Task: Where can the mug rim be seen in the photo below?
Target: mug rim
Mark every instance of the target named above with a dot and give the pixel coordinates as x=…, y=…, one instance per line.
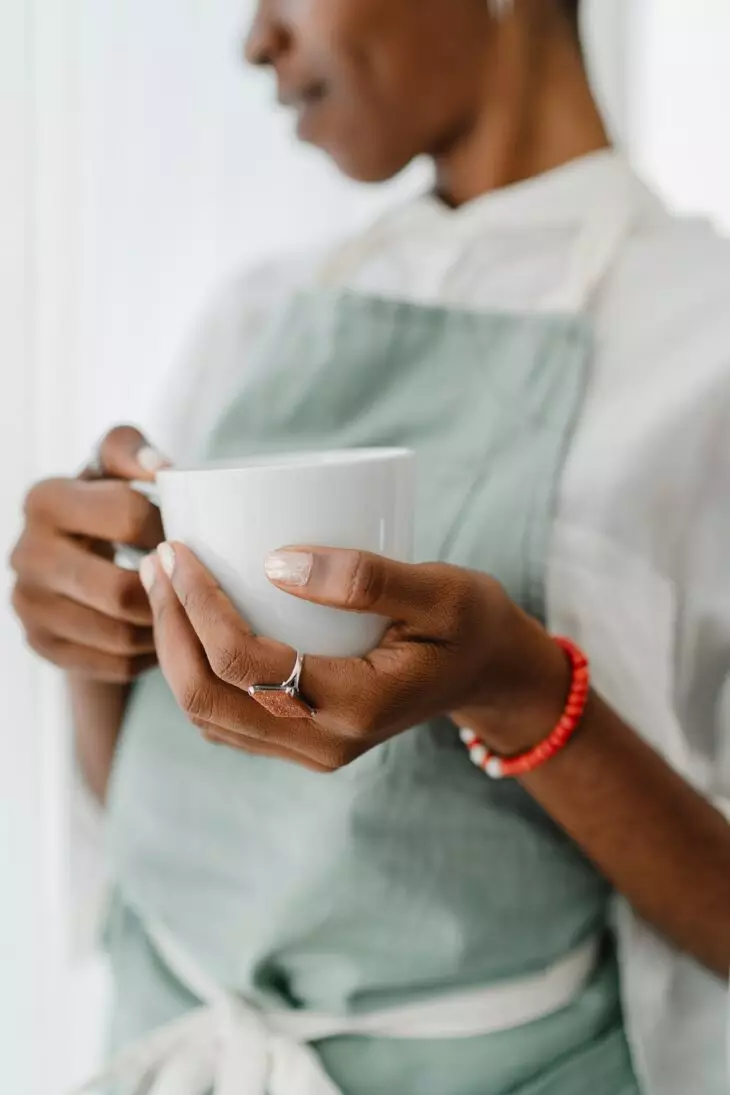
x=317, y=459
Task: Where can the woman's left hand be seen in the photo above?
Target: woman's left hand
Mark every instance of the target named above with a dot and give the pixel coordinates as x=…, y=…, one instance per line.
x=457, y=644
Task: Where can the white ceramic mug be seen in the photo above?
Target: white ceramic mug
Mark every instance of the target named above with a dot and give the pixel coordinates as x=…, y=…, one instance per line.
x=231, y=515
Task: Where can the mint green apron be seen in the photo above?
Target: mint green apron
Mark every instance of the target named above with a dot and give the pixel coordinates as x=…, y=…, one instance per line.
x=409, y=873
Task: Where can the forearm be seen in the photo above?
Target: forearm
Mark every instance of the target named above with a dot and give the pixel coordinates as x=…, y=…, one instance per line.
x=658, y=841
x=98, y=710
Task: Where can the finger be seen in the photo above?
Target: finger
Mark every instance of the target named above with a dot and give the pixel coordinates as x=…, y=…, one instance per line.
x=359, y=581
x=61, y=566
x=103, y=510
x=200, y=694
x=205, y=697
x=236, y=655
x=125, y=453
x=217, y=735
x=53, y=614
x=94, y=664
x=357, y=700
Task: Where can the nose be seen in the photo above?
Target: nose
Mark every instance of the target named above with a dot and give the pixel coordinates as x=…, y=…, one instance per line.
x=267, y=38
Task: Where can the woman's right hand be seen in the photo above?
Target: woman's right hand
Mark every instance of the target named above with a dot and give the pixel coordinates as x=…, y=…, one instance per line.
x=80, y=611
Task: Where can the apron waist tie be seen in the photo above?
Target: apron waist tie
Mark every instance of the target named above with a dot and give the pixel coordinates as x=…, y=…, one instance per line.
x=230, y=1047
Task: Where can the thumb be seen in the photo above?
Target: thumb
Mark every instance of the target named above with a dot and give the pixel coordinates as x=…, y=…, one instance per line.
x=358, y=581
x=125, y=453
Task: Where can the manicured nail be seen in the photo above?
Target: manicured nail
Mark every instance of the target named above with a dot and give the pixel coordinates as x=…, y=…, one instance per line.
x=292, y=568
x=151, y=460
x=167, y=557
x=147, y=572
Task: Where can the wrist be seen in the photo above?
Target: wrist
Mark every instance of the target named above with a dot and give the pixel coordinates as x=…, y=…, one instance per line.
x=528, y=697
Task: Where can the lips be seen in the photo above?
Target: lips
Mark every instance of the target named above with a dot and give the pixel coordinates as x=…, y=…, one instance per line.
x=303, y=95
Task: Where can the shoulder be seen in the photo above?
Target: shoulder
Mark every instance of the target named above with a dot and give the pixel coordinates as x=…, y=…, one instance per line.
x=666, y=313
x=645, y=466
x=638, y=563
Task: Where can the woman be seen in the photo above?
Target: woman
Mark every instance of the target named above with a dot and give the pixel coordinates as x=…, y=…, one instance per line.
x=556, y=348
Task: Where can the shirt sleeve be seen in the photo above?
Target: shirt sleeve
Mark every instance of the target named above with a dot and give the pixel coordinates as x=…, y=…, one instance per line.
x=703, y=620
x=646, y=592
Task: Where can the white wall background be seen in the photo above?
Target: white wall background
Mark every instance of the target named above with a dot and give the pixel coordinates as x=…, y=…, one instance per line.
x=139, y=164
x=189, y=171
x=679, y=89
x=38, y=237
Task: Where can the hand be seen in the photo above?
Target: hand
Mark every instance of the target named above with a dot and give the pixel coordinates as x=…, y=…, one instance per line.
x=79, y=611
x=457, y=644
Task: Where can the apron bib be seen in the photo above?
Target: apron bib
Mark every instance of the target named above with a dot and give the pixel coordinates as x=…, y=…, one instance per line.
x=408, y=874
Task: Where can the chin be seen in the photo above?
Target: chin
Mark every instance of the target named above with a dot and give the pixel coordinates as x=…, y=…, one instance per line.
x=367, y=169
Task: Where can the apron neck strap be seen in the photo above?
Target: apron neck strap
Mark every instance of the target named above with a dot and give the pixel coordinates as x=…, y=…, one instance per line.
x=346, y=257
x=596, y=251
x=591, y=262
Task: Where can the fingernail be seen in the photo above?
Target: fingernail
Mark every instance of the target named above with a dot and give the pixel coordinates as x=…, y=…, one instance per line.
x=151, y=460
x=167, y=557
x=147, y=572
x=293, y=568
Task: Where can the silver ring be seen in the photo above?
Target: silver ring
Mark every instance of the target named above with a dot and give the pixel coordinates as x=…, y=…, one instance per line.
x=285, y=700
x=291, y=685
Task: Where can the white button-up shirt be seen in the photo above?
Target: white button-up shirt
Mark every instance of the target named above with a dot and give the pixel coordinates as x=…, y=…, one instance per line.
x=638, y=570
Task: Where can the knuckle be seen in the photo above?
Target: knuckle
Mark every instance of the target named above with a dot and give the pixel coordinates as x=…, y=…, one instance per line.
x=364, y=585
x=45, y=645
x=196, y=699
x=19, y=601
x=230, y=662
x=34, y=501
x=34, y=556
x=39, y=500
x=25, y=603
x=462, y=604
x=17, y=555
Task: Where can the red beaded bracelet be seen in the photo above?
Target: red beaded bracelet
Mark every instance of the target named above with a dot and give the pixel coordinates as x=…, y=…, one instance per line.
x=512, y=767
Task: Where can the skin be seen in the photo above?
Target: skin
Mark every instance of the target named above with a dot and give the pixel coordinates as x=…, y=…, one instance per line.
x=457, y=643
x=78, y=610
x=376, y=83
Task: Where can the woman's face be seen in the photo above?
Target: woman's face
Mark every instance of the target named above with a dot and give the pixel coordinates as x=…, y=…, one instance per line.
x=376, y=83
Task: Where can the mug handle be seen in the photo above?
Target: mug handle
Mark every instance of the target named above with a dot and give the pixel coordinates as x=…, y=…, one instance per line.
x=130, y=558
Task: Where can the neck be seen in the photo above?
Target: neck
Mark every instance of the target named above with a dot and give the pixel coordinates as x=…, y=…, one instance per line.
x=545, y=117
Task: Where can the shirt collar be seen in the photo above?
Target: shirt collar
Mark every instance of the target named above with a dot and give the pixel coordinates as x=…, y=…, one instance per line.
x=568, y=195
